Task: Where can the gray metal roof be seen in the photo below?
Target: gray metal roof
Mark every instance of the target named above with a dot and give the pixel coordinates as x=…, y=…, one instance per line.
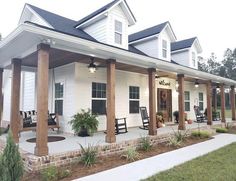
x=178, y=45
x=147, y=32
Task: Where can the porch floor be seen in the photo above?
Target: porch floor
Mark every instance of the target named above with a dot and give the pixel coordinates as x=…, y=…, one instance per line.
x=71, y=142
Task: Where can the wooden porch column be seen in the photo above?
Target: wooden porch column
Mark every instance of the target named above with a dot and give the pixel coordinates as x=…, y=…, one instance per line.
x=15, y=99
x=222, y=97
x=1, y=98
x=41, y=148
x=111, y=68
x=232, y=97
x=209, y=102
x=181, y=102
x=152, y=101
x=214, y=97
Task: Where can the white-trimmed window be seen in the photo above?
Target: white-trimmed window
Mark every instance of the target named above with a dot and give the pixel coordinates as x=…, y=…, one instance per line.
x=98, y=98
x=186, y=100
x=134, y=99
x=164, y=48
x=118, y=32
x=59, y=97
x=201, y=103
x=194, y=59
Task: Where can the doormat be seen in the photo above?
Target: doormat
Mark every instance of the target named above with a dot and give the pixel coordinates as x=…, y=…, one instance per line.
x=50, y=139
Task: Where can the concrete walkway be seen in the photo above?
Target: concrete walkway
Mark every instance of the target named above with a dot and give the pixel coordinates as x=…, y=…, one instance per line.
x=150, y=166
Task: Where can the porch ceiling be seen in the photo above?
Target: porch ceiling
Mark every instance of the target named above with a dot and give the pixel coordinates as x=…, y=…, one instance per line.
x=62, y=57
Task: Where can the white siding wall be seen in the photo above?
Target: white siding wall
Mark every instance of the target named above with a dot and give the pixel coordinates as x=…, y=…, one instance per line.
x=149, y=47
x=6, y=95
x=183, y=58
x=28, y=91
x=98, y=30
x=117, y=14
x=66, y=75
x=123, y=80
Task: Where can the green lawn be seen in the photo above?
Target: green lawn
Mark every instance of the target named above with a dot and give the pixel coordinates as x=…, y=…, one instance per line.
x=219, y=165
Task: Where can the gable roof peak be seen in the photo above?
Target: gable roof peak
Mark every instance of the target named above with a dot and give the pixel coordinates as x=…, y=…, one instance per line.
x=103, y=10
x=148, y=32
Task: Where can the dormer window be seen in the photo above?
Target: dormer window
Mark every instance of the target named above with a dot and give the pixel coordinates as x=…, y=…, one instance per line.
x=118, y=32
x=194, y=59
x=164, y=48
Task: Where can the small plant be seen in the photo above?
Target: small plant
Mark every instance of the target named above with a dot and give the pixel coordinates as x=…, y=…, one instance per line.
x=229, y=125
x=88, y=155
x=222, y=130
x=63, y=173
x=84, y=123
x=50, y=174
x=201, y=134
x=172, y=141
x=145, y=143
x=1, y=168
x=130, y=154
x=180, y=136
x=11, y=161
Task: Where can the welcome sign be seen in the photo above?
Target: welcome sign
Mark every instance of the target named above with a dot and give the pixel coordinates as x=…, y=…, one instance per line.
x=164, y=83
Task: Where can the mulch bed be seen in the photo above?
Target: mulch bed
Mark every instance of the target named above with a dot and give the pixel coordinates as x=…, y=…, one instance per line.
x=108, y=162
x=50, y=139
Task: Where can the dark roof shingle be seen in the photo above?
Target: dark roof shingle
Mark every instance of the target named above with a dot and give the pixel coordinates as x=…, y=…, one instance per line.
x=178, y=45
x=61, y=23
x=147, y=32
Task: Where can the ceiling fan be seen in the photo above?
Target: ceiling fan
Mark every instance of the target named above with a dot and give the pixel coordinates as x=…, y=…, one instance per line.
x=93, y=65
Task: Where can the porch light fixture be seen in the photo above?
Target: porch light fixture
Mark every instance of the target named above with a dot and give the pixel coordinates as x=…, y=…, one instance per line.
x=196, y=84
x=176, y=84
x=217, y=88
x=92, y=67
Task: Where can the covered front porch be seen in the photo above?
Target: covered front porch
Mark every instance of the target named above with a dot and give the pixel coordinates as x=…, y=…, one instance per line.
x=45, y=50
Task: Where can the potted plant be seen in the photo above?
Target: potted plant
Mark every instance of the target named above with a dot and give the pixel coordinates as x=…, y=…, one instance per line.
x=160, y=120
x=176, y=115
x=84, y=123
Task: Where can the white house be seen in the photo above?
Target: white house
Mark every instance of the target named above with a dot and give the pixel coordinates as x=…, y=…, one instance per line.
x=86, y=58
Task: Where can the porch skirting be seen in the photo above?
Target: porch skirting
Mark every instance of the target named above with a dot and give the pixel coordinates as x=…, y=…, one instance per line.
x=34, y=163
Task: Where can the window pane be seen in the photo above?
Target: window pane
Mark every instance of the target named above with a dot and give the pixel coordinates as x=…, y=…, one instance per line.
x=200, y=96
x=164, y=44
x=98, y=90
x=133, y=106
x=133, y=92
x=186, y=95
x=59, y=90
x=201, y=106
x=187, y=106
x=118, y=38
x=164, y=53
x=59, y=107
x=118, y=26
x=99, y=107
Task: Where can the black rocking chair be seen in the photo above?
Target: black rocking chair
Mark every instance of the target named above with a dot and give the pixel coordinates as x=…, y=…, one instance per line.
x=145, y=118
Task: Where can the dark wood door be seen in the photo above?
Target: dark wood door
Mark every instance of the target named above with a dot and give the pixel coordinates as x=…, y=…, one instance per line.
x=164, y=103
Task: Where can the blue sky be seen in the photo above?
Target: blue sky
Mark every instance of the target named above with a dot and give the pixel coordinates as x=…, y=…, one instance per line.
x=211, y=21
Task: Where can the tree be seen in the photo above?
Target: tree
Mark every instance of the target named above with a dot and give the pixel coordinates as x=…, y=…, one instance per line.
x=11, y=161
x=229, y=64
x=211, y=65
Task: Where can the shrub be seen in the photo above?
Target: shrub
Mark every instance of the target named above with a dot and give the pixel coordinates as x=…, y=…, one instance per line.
x=50, y=174
x=1, y=168
x=221, y=130
x=172, y=141
x=201, y=134
x=130, y=154
x=180, y=135
x=229, y=125
x=145, y=143
x=88, y=155
x=11, y=161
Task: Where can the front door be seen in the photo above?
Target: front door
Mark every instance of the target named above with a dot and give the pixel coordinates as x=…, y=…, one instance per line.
x=164, y=103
